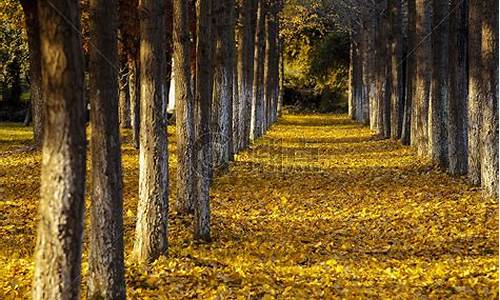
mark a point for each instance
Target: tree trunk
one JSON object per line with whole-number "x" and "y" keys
{"x": 33, "y": 32}
{"x": 59, "y": 239}
{"x": 135, "y": 97}
{"x": 489, "y": 121}
{"x": 168, "y": 57}
{"x": 351, "y": 85}
{"x": 151, "y": 228}
{"x": 421, "y": 98}
{"x": 124, "y": 97}
{"x": 474, "y": 105}
{"x": 257, "y": 108}
{"x": 184, "y": 108}
{"x": 408, "y": 129}
{"x": 438, "y": 135}
{"x": 396, "y": 74}
{"x": 203, "y": 100}
{"x": 457, "y": 101}
{"x": 237, "y": 80}
{"x": 106, "y": 266}
{"x": 365, "y": 59}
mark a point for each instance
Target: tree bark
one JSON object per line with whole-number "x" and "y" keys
{"x": 106, "y": 266}
{"x": 397, "y": 98}
{"x": 135, "y": 97}
{"x": 257, "y": 108}
{"x": 421, "y": 98}
{"x": 124, "y": 97}
{"x": 59, "y": 239}
{"x": 408, "y": 129}
{"x": 474, "y": 105}
{"x": 489, "y": 121}
{"x": 151, "y": 228}
{"x": 203, "y": 103}
{"x": 184, "y": 108}
{"x": 35, "y": 76}
{"x": 457, "y": 101}
{"x": 438, "y": 135}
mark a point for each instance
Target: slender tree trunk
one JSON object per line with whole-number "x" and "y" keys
{"x": 33, "y": 31}
{"x": 106, "y": 266}
{"x": 408, "y": 128}
{"x": 203, "y": 100}
{"x": 397, "y": 100}
{"x": 59, "y": 239}
{"x": 184, "y": 108}
{"x": 135, "y": 97}
{"x": 438, "y": 135}
{"x": 124, "y": 97}
{"x": 256, "y": 126}
{"x": 365, "y": 48}
{"x": 237, "y": 81}
{"x": 151, "y": 228}
{"x": 489, "y": 121}
{"x": 352, "y": 84}
{"x": 457, "y": 101}
{"x": 475, "y": 99}
{"x": 168, "y": 57}
{"x": 421, "y": 98}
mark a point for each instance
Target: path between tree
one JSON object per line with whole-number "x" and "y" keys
{"x": 319, "y": 207}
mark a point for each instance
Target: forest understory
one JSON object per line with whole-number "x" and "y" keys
{"x": 320, "y": 207}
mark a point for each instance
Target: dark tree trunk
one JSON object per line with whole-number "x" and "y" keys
{"x": 489, "y": 121}
{"x": 184, "y": 108}
{"x": 408, "y": 129}
{"x": 203, "y": 103}
{"x": 457, "y": 101}
{"x": 396, "y": 73}
{"x": 33, "y": 31}
{"x": 106, "y": 267}
{"x": 135, "y": 97}
{"x": 257, "y": 108}
{"x": 151, "y": 228}
{"x": 124, "y": 97}
{"x": 438, "y": 122}
{"x": 59, "y": 239}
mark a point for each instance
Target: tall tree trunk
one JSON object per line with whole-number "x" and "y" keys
{"x": 106, "y": 266}
{"x": 124, "y": 97}
{"x": 151, "y": 228}
{"x": 271, "y": 69}
{"x": 257, "y": 108}
{"x": 203, "y": 103}
{"x": 489, "y": 121}
{"x": 365, "y": 58}
{"x": 168, "y": 57}
{"x": 408, "y": 128}
{"x": 59, "y": 239}
{"x": 135, "y": 97}
{"x": 475, "y": 99}
{"x": 457, "y": 101}
{"x": 184, "y": 108}
{"x": 351, "y": 85}
{"x": 33, "y": 31}
{"x": 438, "y": 135}
{"x": 396, "y": 72}
{"x": 421, "y": 98}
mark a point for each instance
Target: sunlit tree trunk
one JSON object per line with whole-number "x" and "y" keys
{"x": 106, "y": 267}
{"x": 59, "y": 236}
{"x": 489, "y": 121}
{"x": 457, "y": 100}
{"x": 438, "y": 116}
{"x": 151, "y": 227}
{"x": 421, "y": 98}
{"x": 474, "y": 97}
{"x": 184, "y": 108}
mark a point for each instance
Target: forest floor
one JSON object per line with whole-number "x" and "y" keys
{"x": 318, "y": 208}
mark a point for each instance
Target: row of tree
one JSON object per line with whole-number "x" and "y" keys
{"x": 426, "y": 72}
{"x": 226, "y": 72}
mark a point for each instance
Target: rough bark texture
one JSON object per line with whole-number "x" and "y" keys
{"x": 396, "y": 72}
{"x": 35, "y": 76}
{"x": 421, "y": 98}
{"x": 59, "y": 239}
{"x": 438, "y": 115}
{"x": 106, "y": 267}
{"x": 411, "y": 74}
{"x": 489, "y": 121}
{"x": 203, "y": 103}
{"x": 151, "y": 228}
{"x": 184, "y": 108}
{"x": 351, "y": 109}
{"x": 457, "y": 101}
{"x": 474, "y": 101}
{"x": 271, "y": 68}
{"x": 257, "y": 108}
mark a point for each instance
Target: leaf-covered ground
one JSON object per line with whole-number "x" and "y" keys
{"x": 319, "y": 208}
